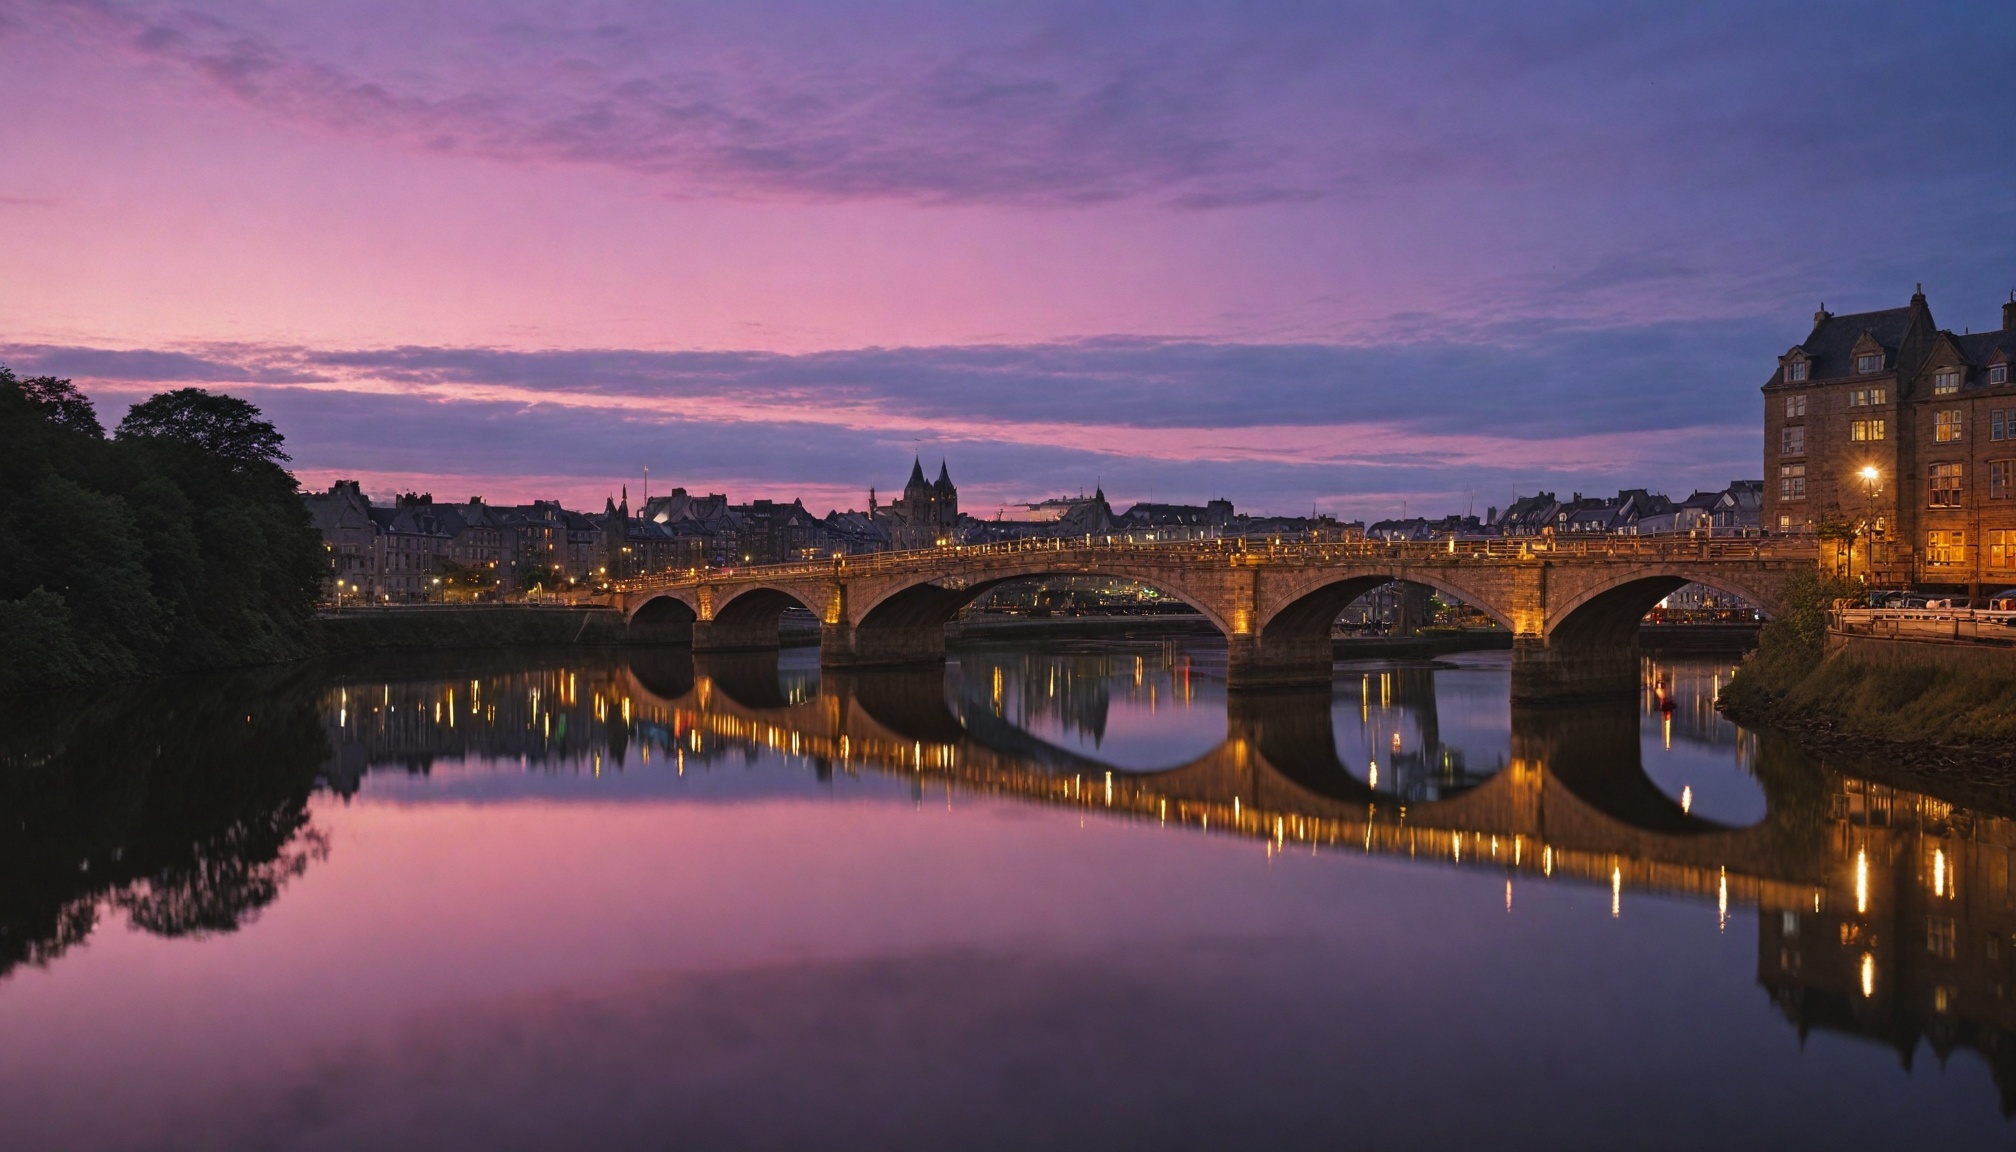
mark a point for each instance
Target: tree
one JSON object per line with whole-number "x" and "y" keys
{"x": 60, "y": 401}
{"x": 223, "y": 426}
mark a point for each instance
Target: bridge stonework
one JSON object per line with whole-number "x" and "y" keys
{"x": 1573, "y": 610}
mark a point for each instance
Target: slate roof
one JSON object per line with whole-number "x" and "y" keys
{"x": 1833, "y": 340}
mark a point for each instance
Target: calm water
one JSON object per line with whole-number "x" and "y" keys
{"x": 1060, "y": 896}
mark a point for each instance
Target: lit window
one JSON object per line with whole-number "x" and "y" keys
{"x": 1945, "y": 485}
{"x": 1946, "y": 425}
{"x": 1795, "y": 370}
{"x": 1784, "y": 523}
{"x": 1945, "y": 382}
{"x": 1945, "y": 549}
{"x": 2001, "y": 479}
{"x": 1795, "y": 407}
{"x": 2001, "y": 548}
{"x": 1869, "y": 363}
{"x": 1865, "y": 429}
{"x": 1791, "y": 484}
{"x": 1998, "y": 374}
{"x": 1792, "y": 441}
{"x": 1879, "y": 395}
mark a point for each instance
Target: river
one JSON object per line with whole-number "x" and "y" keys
{"x": 1063, "y": 894}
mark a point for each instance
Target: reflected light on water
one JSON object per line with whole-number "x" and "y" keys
{"x": 1861, "y": 880}
{"x": 1571, "y": 781}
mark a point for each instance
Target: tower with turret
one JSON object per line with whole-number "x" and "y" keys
{"x": 927, "y": 514}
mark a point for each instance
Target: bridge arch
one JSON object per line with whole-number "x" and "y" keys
{"x": 1608, "y": 611}
{"x": 747, "y": 619}
{"x": 664, "y": 618}
{"x": 904, "y": 622}
{"x": 1316, "y": 603}
{"x": 918, "y": 602}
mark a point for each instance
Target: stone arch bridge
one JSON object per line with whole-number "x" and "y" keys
{"x": 1573, "y": 607}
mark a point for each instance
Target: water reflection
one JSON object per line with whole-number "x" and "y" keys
{"x": 1882, "y": 913}
{"x": 184, "y": 809}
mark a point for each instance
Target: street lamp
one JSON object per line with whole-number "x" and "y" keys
{"x": 1871, "y": 476}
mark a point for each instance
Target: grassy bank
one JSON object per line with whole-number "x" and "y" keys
{"x": 1920, "y": 699}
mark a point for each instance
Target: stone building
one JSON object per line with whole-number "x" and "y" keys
{"x": 1894, "y": 440}
{"x": 927, "y": 514}
{"x": 349, "y": 539}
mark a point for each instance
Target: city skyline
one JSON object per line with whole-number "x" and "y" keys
{"x": 774, "y": 251}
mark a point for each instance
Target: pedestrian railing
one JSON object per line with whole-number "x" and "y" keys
{"x": 1952, "y": 625}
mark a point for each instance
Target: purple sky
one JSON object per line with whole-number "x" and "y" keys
{"x": 1297, "y": 255}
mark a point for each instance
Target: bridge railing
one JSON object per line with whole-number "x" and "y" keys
{"x": 1246, "y": 552}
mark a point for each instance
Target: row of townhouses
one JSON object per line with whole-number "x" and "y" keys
{"x": 418, "y": 549}
{"x": 1732, "y": 511}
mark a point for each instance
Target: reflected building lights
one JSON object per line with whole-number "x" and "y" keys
{"x": 801, "y": 726}
{"x": 1861, "y": 881}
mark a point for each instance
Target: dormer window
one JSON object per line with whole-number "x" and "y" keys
{"x": 1872, "y": 362}
{"x": 1945, "y": 382}
{"x": 1795, "y": 371}
{"x": 1998, "y": 374}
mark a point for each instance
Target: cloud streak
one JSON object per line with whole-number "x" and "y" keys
{"x": 1283, "y": 427}
{"x": 1047, "y": 106}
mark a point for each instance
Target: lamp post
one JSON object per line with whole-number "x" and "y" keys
{"x": 1870, "y": 477}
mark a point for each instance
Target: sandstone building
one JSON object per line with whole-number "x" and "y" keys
{"x": 1895, "y": 441}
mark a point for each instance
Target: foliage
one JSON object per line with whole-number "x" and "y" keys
{"x": 462, "y": 581}
{"x": 543, "y": 576}
{"x": 179, "y": 544}
{"x": 1790, "y": 647}
{"x": 222, "y": 426}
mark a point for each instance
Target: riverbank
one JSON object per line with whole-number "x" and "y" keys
{"x": 1938, "y": 713}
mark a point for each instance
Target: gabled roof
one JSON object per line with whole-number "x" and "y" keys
{"x": 1831, "y": 345}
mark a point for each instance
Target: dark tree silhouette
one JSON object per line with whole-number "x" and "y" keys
{"x": 180, "y": 544}
{"x": 222, "y": 426}
{"x": 62, "y": 404}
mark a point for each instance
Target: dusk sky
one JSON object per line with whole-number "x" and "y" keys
{"x": 1295, "y": 255}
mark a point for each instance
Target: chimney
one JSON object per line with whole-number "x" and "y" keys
{"x": 1822, "y": 316}
{"x": 2009, "y": 314}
